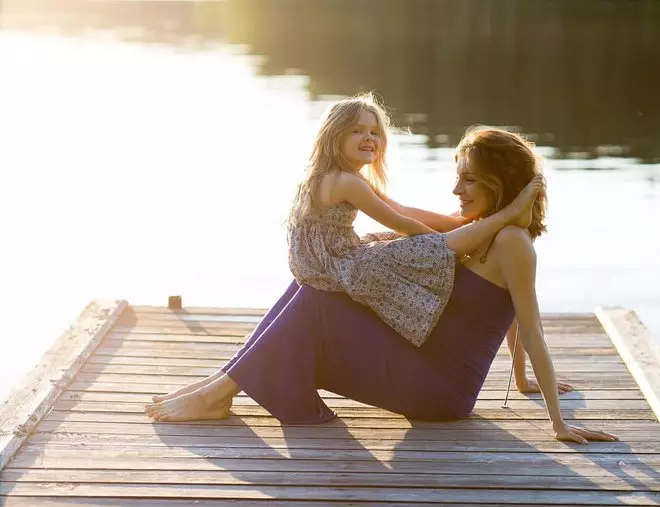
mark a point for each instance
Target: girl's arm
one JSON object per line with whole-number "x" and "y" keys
{"x": 436, "y": 221}
{"x": 524, "y": 384}
{"x": 355, "y": 190}
{"x": 517, "y": 259}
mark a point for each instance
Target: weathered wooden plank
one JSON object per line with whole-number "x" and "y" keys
{"x": 165, "y": 312}
{"x": 131, "y": 381}
{"x": 103, "y": 429}
{"x": 327, "y": 493}
{"x": 336, "y": 402}
{"x": 230, "y": 340}
{"x": 220, "y": 355}
{"x": 151, "y": 355}
{"x": 631, "y": 473}
{"x": 147, "y": 372}
{"x": 560, "y": 464}
{"x": 214, "y": 310}
{"x": 158, "y": 375}
{"x": 224, "y": 346}
{"x": 333, "y": 479}
{"x": 129, "y": 318}
{"x": 236, "y": 329}
{"x": 515, "y": 402}
{"x": 366, "y": 411}
{"x": 194, "y": 363}
{"x": 492, "y": 384}
{"x": 351, "y": 424}
{"x": 595, "y": 380}
{"x": 184, "y": 321}
{"x": 18, "y": 501}
{"x": 33, "y": 397}
{"x": 143, "y": 374}
{"x": 393, "y": 459}
{"x": 607, "y": 371}
{"x": 206, "y": 444}
{"x": 158, "y": 312}
{"x": 579, "y": 455}
{"x": 553, "y": 340}
{"x": 189, "y": 325}
{"x": 637, "y": 349}
{"x": 226, "y": 329}
{"x": 612, "y": 394}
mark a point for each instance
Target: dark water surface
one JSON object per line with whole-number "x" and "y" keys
{"x": 580, "y": 76}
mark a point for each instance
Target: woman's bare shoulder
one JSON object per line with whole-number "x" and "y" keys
{"x": 513, "y": 241}
{"x": 515, "y": 257}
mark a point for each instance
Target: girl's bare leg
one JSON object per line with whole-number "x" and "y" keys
{"x": 467, "y": 238}
{"x": 212, "y": 401}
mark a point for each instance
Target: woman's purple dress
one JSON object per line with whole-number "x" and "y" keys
{"x": 313, "y": 339}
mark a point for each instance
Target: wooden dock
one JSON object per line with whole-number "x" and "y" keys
{"x": 74, "y": 433}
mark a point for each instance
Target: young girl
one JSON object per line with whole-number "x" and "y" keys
{"x": 407, "y": 281}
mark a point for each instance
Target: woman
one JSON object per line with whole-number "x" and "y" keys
{"x": 324, "y": 340}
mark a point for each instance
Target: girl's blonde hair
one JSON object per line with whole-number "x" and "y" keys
{"x": 504, "y": 162}
{"x": 327, "y": 154}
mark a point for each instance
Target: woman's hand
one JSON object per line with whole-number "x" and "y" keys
{"x": 568, "y": 433}
{"x": 531, "y": 386}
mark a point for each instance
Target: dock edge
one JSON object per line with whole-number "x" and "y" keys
{"x": 636, "y": 346}
{"x": 32, "y": 398}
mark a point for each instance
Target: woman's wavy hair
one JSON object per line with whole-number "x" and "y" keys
{"x": 327, "y": 154}
{"x": 504, "y": 162}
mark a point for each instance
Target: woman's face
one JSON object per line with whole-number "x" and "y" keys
{"x": 476, "y": 198}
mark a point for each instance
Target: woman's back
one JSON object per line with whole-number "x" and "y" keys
{"x": 470, "y": 331}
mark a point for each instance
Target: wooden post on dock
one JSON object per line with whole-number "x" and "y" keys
{"x": 175, "y": 303}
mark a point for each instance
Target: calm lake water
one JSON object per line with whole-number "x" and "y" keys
{"x": 151, "y": 148}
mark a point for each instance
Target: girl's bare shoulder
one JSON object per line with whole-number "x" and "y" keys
{"x": 334, "y": 184}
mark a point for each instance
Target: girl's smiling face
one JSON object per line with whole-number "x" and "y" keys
{"x": 362, "y": 144}
{"x": 475, "y": 197}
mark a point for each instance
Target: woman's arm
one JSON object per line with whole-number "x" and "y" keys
{"x": 516, "y": 257}
{"x": 517, "y": 353}
{"x": 436, "y": 221}
{"x": 524, "y": 384}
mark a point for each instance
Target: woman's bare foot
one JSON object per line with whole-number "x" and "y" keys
{"x": 522, "y": 206}
{"x": 189, "y": 388}
{"x": 188, "y": 407}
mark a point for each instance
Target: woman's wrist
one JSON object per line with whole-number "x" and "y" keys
{"x": 558, "y": 423}
{"x": 521, "y": 381}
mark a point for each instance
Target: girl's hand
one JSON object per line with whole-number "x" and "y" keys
{"x": 531, "y": 386}
{"x": 568, "y": 433}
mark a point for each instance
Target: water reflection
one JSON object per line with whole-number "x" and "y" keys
{"x": 580, "y": 76}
